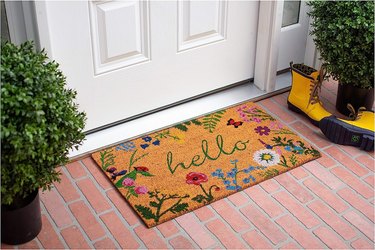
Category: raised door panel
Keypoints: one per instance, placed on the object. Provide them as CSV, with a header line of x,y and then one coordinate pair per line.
x,y
201,23
119,34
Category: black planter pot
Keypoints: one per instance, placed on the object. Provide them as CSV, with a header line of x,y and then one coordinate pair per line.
x,y
21,221
357,97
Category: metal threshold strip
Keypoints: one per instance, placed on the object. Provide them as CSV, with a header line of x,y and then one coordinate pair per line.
x,y
167,116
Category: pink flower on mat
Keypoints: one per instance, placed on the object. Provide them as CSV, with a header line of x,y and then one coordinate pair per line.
x,y
141,190
128,182
252,109
256,119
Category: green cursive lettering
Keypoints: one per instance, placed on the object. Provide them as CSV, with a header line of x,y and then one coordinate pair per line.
x,y
238,146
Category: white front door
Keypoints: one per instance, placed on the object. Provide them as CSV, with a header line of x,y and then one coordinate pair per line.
x,y
294,32
129,57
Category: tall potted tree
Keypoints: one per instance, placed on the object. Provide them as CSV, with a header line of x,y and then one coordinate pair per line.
x,y
39,124
344,35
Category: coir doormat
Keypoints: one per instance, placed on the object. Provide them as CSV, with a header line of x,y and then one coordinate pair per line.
x,y
186,166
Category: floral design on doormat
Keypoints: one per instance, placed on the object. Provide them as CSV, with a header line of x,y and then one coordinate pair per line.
x,y
172,171
197,179
157,208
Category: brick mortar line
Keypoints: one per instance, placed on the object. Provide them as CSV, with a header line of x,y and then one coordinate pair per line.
x,y
87,203
114,209
182,232
237,209
203,226
346,185
53,225
358,232
356,194
360,215
64,205
353,158
242,192
273,221
343,184
322,222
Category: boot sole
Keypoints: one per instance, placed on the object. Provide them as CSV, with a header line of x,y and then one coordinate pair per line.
x,y
297,110
342,133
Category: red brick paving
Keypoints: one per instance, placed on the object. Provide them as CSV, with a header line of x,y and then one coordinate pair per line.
x,y
74,238
327,203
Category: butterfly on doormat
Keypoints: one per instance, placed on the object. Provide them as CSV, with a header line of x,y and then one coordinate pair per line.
x,y
235,124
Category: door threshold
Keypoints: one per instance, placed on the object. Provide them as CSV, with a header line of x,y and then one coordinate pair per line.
x,y
174,115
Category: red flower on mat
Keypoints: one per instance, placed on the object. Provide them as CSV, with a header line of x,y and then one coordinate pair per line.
x,y
262,130
141,169
141,190
196,178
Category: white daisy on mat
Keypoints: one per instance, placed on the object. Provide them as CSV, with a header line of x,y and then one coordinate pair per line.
x,y
266,157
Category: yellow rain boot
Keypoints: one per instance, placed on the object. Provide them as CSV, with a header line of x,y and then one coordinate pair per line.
x,y
358,132
304,95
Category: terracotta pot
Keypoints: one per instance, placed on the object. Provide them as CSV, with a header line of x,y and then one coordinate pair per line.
x,y
357,97
21,221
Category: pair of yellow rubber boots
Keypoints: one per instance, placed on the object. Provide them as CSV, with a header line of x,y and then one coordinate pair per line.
x,y
304,98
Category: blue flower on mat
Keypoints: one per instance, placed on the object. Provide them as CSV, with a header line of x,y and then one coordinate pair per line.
x,y
231,174
234,170
230,187
144,146
217,172
126,146
298,149
246,180
147,139
156,143
226,182
233,161
288,148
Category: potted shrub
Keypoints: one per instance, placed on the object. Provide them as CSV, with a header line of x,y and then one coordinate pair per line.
x,y
344,36
39,124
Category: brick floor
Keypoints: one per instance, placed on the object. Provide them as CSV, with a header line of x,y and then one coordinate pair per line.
x,y
327,203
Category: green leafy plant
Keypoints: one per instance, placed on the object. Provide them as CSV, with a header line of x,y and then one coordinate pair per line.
x,y
39,121
210,121
344,35
157,210
184,126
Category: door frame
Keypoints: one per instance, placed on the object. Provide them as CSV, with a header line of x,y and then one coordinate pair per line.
x,y
267,49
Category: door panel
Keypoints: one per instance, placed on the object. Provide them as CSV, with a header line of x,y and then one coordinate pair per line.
x,y
129,57
115,48
201,23
293,36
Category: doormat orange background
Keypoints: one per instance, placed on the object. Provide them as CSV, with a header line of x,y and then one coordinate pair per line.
x,y
176,170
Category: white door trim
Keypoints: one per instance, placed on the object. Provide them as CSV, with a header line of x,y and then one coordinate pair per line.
x,y
267,50
22,22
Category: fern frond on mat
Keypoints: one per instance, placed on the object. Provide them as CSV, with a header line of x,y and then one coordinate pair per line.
x,y
107,159
184,126
210,121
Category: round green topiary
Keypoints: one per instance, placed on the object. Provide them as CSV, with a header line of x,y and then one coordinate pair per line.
x,y
39,121
344,35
